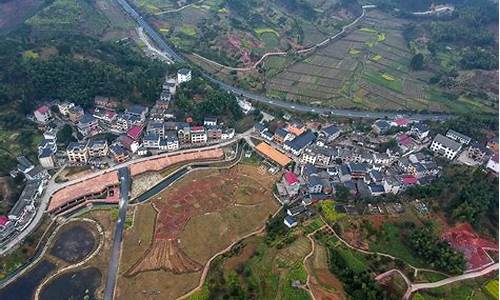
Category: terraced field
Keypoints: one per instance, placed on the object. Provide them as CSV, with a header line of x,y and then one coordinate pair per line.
x,y
368,68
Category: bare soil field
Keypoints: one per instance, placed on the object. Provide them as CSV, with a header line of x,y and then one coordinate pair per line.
x,y
179,230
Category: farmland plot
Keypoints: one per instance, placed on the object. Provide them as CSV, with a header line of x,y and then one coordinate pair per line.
x,y
368,69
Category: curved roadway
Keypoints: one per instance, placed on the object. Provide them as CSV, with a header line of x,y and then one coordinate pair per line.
x,y
161,43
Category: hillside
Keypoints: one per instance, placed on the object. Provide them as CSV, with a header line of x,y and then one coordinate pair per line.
x,y
238,33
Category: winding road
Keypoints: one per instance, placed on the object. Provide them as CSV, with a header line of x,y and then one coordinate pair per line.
x,y
162,44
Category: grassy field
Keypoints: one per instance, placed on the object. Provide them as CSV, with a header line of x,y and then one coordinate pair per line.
x,y
248,194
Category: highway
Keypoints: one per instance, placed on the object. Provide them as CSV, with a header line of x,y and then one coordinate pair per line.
x,y
161,43
118,235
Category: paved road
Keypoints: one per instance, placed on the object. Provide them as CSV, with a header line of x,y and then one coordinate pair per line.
x,y
118,235
430,285
160,42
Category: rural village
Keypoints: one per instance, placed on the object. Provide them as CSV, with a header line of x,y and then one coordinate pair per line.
x,y
305,150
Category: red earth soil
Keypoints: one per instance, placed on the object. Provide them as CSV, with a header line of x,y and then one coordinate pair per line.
x,y
465,240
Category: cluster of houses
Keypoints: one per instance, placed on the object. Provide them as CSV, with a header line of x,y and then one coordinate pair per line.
x,y
24,210
139,130
323,165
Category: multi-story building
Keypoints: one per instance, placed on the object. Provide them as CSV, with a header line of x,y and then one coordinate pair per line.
x,y
183,75
65,107
445,146
458,137
170,142
46,158
43,114
198,135
184,134
98,148
77,152
75,113
330,133
214,132
151,141
156,128
88,125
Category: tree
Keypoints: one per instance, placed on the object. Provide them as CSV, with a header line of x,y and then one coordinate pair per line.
x,y
417,62
65,135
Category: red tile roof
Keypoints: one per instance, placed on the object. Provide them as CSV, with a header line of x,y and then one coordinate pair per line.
x,y
291,178
404,139
3,220
410,180
135,132
43,109
401,122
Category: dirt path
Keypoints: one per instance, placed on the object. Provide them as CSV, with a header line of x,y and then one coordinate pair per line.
x,y
416,269
304,261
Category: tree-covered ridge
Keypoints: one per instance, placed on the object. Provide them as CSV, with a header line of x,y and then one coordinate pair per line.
x,y
465,195
215,102
436,252
78,69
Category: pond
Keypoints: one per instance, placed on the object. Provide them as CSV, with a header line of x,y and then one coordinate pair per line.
x,y
74,244
24,288
80,284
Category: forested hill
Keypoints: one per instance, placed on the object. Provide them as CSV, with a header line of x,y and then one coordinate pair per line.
x,y
75,68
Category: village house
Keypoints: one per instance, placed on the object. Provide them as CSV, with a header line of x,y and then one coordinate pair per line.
x,y
46,158
184,134
88,125
458,137
77,152
381,126
317,155
151,141
296,128
170,142
75,113
329,133
420,131
392,184
138,111
492,164
198,135
280,135
170,85
401,122
118,153
183,75
106,116
135,132
478,152
214,132
164,101
358,170
37,173
156,128
289,186
376,189
105,103
43,114
24,209
64,107
97,148
445,146
228,134
210,121
128,143
24,165
298,144
290,221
